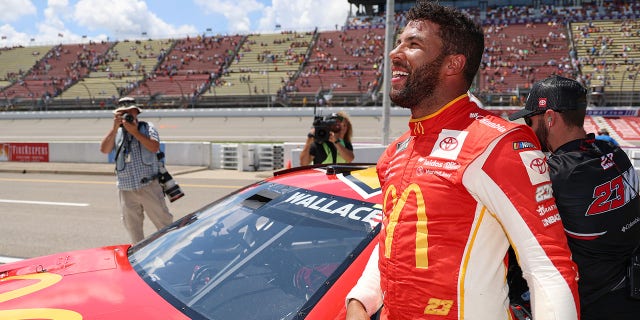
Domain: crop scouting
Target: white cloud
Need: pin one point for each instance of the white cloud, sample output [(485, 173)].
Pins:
[(44, 20), (17, 38), (304, 15), (126, 19), (54, 16), (12, 10), (290, 15), (236, 12)]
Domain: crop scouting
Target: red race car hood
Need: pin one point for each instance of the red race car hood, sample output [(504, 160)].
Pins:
[(88, 284)]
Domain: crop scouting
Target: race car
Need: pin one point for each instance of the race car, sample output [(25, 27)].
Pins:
[(288, 247)]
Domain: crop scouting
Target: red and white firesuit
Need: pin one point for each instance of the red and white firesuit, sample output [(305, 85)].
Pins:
[(458, 188)]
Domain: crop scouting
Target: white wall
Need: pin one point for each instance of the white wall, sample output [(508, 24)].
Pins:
[(240, 157)]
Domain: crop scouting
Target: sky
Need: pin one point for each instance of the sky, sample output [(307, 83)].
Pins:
[(49, 22)]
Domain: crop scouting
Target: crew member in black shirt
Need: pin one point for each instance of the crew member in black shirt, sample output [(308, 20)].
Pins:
[(596, 190)]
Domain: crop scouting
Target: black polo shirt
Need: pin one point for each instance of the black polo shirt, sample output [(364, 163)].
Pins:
[(596, 190)]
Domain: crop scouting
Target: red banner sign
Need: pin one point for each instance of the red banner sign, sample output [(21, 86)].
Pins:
[(25, 152)]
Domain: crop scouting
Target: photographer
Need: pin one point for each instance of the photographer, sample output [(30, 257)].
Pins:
[(136, 144), (329, 141)]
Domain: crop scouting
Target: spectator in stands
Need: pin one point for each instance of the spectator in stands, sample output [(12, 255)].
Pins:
[(596, 190), (603, 134), (329, 145), (137, 165)]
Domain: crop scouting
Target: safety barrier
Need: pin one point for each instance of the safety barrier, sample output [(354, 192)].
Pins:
[(230, 156)]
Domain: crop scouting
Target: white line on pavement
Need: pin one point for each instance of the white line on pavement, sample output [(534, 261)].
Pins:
[(46, 203)]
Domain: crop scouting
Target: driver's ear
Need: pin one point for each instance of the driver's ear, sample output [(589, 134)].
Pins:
[(455, 64)]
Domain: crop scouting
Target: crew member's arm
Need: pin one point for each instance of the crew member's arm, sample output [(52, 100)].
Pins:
[(108, 142), (365, 298), (306, 158)]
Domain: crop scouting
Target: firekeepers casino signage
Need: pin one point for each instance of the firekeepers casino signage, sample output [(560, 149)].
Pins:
[(26, 152)]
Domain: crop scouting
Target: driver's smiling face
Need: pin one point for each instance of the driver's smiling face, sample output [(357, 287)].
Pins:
[(416, 63)]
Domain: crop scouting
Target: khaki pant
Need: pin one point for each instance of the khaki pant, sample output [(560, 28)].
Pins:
[(134, 203)]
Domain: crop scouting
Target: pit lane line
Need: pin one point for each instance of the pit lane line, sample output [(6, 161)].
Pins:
[(71, 204), (208, 186)]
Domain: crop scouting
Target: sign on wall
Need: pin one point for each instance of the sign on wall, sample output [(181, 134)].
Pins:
[(24, 151)]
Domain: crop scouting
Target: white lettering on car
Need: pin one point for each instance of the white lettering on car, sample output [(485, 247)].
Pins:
[(368, 214)]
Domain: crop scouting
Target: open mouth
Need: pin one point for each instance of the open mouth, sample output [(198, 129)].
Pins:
[(399, 74), (398, 77)]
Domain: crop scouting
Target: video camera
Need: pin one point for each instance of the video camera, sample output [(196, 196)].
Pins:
[(323, 126), (170, 188)]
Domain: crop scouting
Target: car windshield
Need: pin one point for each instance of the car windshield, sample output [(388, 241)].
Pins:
[(266, 252)]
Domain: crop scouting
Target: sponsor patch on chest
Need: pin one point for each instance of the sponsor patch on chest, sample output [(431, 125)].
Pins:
[(449, 144)]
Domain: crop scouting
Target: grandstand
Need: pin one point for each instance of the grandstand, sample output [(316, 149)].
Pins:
[(262, 66), (517, 55), (118, 71), (347, 61), (15, 62), (596, 44), (608, 54)]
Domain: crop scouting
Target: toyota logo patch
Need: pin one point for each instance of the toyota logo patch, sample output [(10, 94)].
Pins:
[(542, 103), (538, 165), (449, 144)]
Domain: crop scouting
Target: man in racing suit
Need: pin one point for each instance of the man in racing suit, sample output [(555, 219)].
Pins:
[(458, 188), (596, 189)]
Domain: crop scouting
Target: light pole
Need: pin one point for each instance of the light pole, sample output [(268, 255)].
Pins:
[(268, 89), (182, 99), (321, 83), (117, 89), (88, 91), (388, 45), (633, 89), (7, 99), (31, 94)]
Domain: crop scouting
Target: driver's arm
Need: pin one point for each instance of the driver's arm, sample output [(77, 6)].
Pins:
[(365, 298)]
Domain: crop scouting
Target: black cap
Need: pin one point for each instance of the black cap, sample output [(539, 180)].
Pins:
[(555, 93)]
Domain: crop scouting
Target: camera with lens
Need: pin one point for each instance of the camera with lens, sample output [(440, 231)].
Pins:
[(170, 188), (128, 118), (323, 126)]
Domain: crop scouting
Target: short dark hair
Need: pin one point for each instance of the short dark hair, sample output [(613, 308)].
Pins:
[(459, 33), (574, 117)]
